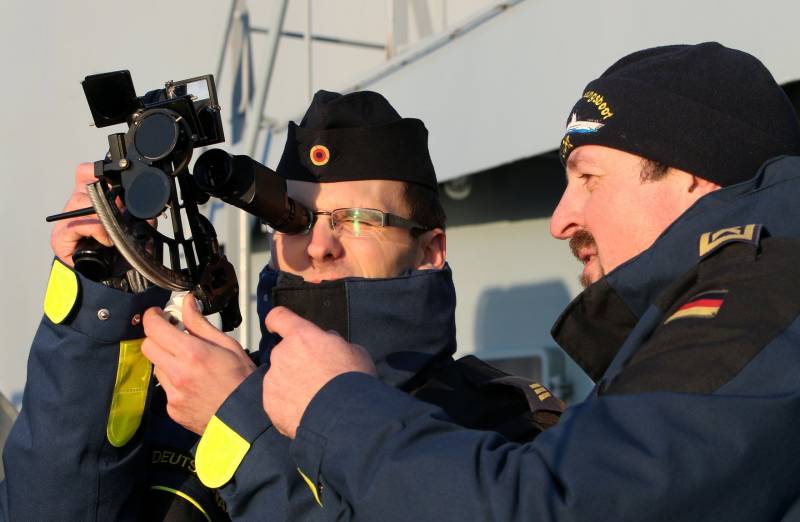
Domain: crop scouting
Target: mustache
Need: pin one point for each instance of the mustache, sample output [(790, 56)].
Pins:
[(582, 238)]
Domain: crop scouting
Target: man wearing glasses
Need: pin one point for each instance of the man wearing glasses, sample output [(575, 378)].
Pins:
[(370, 268)]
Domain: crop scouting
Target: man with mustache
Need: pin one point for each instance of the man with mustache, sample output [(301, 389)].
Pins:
[(371, 268), (681, 203)]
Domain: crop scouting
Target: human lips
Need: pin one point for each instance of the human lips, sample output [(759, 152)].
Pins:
[(318, 277), (586, 255), (584, 248)]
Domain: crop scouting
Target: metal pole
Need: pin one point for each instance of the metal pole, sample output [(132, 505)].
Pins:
[(390, 30), (253, 130), (310, 87), (422, 17), (221, 62), (244, 279), (321, 38), (8, 415), (272, 51)]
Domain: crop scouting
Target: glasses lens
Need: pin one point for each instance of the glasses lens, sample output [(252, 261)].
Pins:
[(357, 222)]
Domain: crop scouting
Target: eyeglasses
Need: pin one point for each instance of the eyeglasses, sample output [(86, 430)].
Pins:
[(357, 222)]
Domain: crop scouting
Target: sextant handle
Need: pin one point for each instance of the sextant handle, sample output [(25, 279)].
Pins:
[(94, 260)]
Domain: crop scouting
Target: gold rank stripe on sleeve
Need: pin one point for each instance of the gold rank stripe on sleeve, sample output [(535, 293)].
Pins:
[(184, 496), (311, 486), (541, 392)]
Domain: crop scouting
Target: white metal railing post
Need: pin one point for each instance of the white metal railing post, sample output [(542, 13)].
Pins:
[(309, 60), (252, 134), (221, 61)]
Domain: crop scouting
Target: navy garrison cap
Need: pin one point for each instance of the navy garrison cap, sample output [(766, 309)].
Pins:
[(356, 136)]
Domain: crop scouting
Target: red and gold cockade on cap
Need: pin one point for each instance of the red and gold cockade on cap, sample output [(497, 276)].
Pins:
[(320, 155)]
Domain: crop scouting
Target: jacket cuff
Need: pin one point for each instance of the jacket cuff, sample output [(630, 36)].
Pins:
[(231, 432), (333, 414), (95, 310)]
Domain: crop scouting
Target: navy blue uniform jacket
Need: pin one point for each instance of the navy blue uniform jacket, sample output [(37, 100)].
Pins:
[(93, 441), (695, 344)]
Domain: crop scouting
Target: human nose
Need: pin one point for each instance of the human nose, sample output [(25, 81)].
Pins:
[(567, 217), (323, 244)]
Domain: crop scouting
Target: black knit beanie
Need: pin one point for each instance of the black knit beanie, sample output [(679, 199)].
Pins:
[(712, 111), (356, 136)]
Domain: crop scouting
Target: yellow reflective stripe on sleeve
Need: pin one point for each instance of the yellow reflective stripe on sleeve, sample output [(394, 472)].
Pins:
[(185, 497), (311, 486), (219, 453), (130, 393), (62, 292)]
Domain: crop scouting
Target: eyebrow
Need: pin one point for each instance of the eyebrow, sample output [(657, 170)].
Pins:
[(579, 158), (575, 163)]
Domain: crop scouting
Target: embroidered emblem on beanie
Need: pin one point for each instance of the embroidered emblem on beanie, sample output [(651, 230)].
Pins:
[(583, 126), (587, 117)]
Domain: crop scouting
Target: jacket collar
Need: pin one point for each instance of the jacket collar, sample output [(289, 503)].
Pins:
[(595, 324), (406, 323)]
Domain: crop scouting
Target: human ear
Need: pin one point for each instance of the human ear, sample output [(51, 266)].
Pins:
[(700, 187), (690, 186), (431, 250)]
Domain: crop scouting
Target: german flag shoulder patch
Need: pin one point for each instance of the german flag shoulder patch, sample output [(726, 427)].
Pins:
[(704, 305)]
